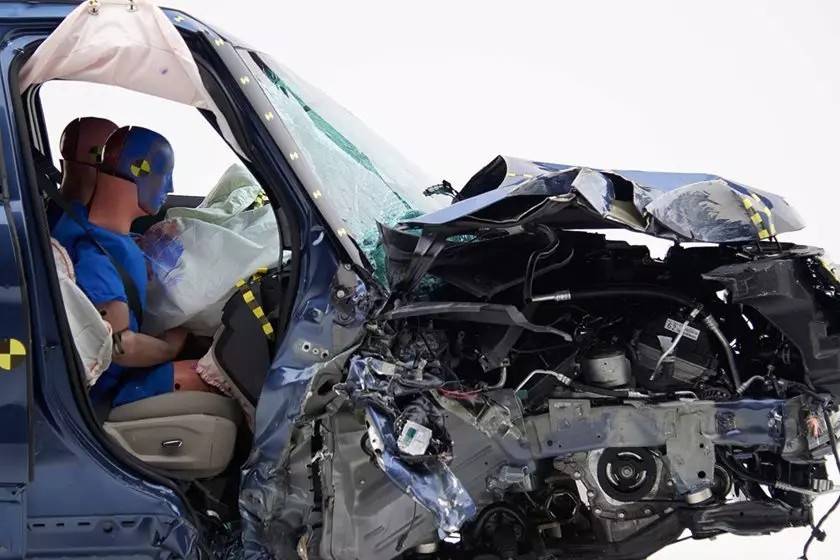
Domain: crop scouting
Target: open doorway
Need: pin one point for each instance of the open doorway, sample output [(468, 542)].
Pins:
[(217, 265)]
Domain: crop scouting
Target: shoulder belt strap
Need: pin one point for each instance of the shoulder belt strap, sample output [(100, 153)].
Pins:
[(45, 183)]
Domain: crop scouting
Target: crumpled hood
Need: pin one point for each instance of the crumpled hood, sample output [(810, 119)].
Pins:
[(680, 206)]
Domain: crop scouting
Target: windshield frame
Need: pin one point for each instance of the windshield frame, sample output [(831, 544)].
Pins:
[(263, 110), (367, 181)]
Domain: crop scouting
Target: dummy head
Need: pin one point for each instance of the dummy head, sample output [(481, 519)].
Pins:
[(81, 146), (144, 159)]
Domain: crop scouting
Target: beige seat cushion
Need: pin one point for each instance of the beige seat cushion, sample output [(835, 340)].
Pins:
[(178, 404), (189, 434)]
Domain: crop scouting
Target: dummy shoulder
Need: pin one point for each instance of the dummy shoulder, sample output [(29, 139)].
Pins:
[(97, 277)]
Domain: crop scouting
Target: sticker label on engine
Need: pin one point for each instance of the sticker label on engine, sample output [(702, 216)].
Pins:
[(676, 327), (414, 438)]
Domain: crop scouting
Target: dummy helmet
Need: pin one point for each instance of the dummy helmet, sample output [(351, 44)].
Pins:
[(83, 139), (145, 158)]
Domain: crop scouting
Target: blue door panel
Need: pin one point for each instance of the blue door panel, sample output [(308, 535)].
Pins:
[(14, 367), (79, 500)]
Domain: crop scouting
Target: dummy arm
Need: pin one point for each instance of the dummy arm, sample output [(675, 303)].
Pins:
[(133, 349)]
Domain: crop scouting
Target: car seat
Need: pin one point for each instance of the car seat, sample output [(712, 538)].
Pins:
[(243, 346), (189, 434)]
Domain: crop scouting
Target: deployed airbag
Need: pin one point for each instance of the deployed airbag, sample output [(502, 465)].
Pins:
[(126, 43), (197, 255), (92, 335)]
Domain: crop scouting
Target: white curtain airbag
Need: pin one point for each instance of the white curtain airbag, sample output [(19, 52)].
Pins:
[(138, 49), (91, 334)]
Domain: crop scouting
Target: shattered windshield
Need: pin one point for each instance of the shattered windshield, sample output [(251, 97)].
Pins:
[(364, 178)]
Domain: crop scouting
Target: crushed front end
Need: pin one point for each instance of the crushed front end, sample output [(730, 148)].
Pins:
[(530, 389)]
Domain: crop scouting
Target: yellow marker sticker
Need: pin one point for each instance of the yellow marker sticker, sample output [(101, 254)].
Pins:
[(760, 215), (245, 80), (94, 154), (829, 268), (269, 116), (268, 329), (179, 19), (248, 296), (219, 42), (140, 168), (341, 232), (316, 194), (293, 156), (12, 353)]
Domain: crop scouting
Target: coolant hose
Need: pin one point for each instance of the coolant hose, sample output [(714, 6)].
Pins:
[(654, 293), (617, 291)]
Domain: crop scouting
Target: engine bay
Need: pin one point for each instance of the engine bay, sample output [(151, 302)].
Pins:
[(547, 393)]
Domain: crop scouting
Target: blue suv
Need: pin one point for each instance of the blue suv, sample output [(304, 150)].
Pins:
[(429, 372)]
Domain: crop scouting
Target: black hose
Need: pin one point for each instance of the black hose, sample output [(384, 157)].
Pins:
[(655, 293), (598, 390), (536, 256), (622, 291)]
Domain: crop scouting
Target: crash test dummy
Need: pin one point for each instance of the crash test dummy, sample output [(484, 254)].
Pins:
[(81, 146), (133, 180)]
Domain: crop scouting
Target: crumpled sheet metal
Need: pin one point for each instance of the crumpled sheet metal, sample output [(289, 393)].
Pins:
[(275, 491), (431, 484), (682, 206)]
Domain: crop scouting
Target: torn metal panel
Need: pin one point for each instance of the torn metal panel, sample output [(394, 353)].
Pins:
[(682, 206), (367, 516), (424, 474), (276, 497)]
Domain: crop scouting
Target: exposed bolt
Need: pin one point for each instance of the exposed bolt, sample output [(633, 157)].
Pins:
[(347, 266), (669, 483), (361, 482), (577, 474), (340, 294), (621, 515), (648, 511), (597, 511), (591, 494), (557, 405)]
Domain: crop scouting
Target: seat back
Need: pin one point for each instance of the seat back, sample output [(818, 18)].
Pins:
[(92, 335), (244, 345)]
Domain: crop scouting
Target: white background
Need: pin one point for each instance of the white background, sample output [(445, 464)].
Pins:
[(748, 90)]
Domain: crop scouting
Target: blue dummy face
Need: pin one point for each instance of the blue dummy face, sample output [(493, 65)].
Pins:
[(145, 158)]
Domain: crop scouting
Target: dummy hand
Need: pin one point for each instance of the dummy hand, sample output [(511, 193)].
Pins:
[(176, 338)]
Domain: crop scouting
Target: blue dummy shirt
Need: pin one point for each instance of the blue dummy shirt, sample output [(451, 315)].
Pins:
[(100, 281)]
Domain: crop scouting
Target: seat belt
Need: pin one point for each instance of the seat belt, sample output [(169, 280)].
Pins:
[(45, 166), (131, 292)]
